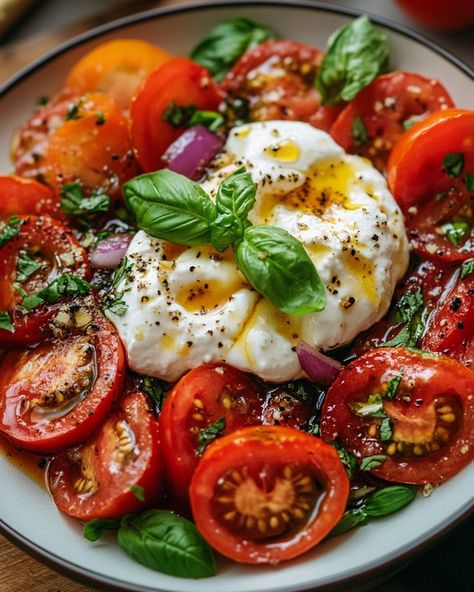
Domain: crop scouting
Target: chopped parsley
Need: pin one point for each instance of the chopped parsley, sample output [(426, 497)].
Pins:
[(74, 203), (73, 110), (454, 164), (455, 231), (61, 287), (210, 433), (26, 266)]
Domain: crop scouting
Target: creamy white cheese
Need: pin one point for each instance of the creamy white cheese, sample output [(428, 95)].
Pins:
[(187, 306)]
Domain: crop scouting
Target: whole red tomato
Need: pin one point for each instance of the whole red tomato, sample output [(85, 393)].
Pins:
[(440, 14)]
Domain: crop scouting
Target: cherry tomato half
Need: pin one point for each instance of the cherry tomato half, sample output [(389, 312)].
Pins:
[(371, 124), (440, 14), (180, 81), (116, 68), (208, 394), (20, 196), (414, 413), (268, 494), (97, 480), (53, 249), (55, 395), (431, 175)]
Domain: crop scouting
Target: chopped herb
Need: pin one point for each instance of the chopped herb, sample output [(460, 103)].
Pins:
[(392, 387), (312, 428), (9, 230), (359, 131), (74, 203), (409, 312), (73, 111), (455, 231), (26, 266), (372, 462), (470, 182), (153, 387), (386, 429), (410, 122), (210, 119), (138, 492), (95, 529), (122, 272), (373, 407), (467, 268), (207, 435), (178, 115), (62, 286), (441, 195), (6, 322), (347, 459), (454, 164), (42, 101), (116, 304), (100, 118)]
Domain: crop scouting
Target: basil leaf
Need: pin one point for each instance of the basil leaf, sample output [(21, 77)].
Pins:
[(347, 459), (171, 207), (392, 387), (454, 164), (6, 322), (359, 131), (350, 519), (455, 231), (467, 268), (152, 387), (138, 492), (178, 115), (356, 54), (116, 304), (229, 40), (386, 429), (470, 182), (73, 110), (389, 500), (9, 230), (235, 199), (440, 196), (373, 407), (122, 272), (26, 266), (74, 203), (210, 119), (210, 433), (95, 529), (166, 543), (372, 462), (277, 266), (100, 118), (409, 311), (61, 287)]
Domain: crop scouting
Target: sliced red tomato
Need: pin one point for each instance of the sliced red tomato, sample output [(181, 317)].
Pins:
[(291, 404), (92, 147), (117, 471), (50, 247), (372, 123), (451, 327), (409, 417), (116, 68), (181, 82), (431, 175), (55, 395), (20, 196), (268, 494), (277, 79), (207, 402)]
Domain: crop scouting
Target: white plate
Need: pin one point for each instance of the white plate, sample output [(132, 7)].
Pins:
[(26, 513)]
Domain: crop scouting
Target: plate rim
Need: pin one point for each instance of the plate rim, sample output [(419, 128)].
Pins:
[(420, 544)]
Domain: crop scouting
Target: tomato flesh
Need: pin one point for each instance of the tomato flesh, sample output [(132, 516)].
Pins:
[(268, 494), (20, 196), (94, 481)]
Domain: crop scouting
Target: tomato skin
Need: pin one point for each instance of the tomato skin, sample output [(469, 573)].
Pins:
[(181, 81), (297, 97), (440, 14), (383, 106), (271, 445), (64, 254), (430, 379), (114, 498), (19, 196), (116, 68), (24, 375), (209, 384)]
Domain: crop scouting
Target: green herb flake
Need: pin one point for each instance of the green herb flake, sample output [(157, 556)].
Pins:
[(116, 304), (95, 529), (455, 231), (386, 429), (100, 118), (210, 433), (138, 492), (392, 386), (61, 287), (470, 181), (6, 322), (75, 204), (359, 131), (178, 115), (9, 230), (26, 266), (410, 122), (210, 119), (153, 388), (409, 311), (372, 462), (347, 459), (453, 163), (467, 268), (373, 407), (42, 101), (73, 111), (440, 196)]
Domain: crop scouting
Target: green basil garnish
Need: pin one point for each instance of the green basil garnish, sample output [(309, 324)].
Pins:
[(210, 433), (350, 519), (138, 492), (277, 266), (227, 42), (467, 268), (61, 287), (9, 230), (210, 119), (359, 131), (454, 164), (26, 266), (171, 207), (455, 231), (386, 429), (470, 182), (372, 462), (114, 302), (74, 203), (235, 199), (6, 322), (409, 312), (356, 54), (189, 115), (392, 387), (95, 529), (373, 407), (153, 388), (347, 459)]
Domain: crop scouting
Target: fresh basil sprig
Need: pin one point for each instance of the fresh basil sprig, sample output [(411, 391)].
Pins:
[(75, 203), (161, 541), (381, 503), (229, 40), (171, 207), (62, 286), (356, 54)]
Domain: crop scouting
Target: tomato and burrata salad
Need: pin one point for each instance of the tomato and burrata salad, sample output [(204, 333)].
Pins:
[(236, 293)]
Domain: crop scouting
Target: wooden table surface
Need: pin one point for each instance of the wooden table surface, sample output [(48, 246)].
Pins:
[(21, 573)]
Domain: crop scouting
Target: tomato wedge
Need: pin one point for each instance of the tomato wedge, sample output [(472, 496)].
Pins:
[(55, 395), (208, 394), (371, 124), (20, 196), (268, 494), (116, 68), (116, 471), (431, 175), (180, 81), (42, 250), (407, 416)]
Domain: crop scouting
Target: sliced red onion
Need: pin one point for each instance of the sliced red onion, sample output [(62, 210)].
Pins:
[(192, 151), (110, 251), (320, 368)]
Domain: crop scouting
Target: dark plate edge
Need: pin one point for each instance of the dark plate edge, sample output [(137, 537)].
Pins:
[(89, 577)]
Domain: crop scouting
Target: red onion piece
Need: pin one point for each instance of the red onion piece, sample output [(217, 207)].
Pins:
[(192, 151), (320, 368), (110, 251)]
